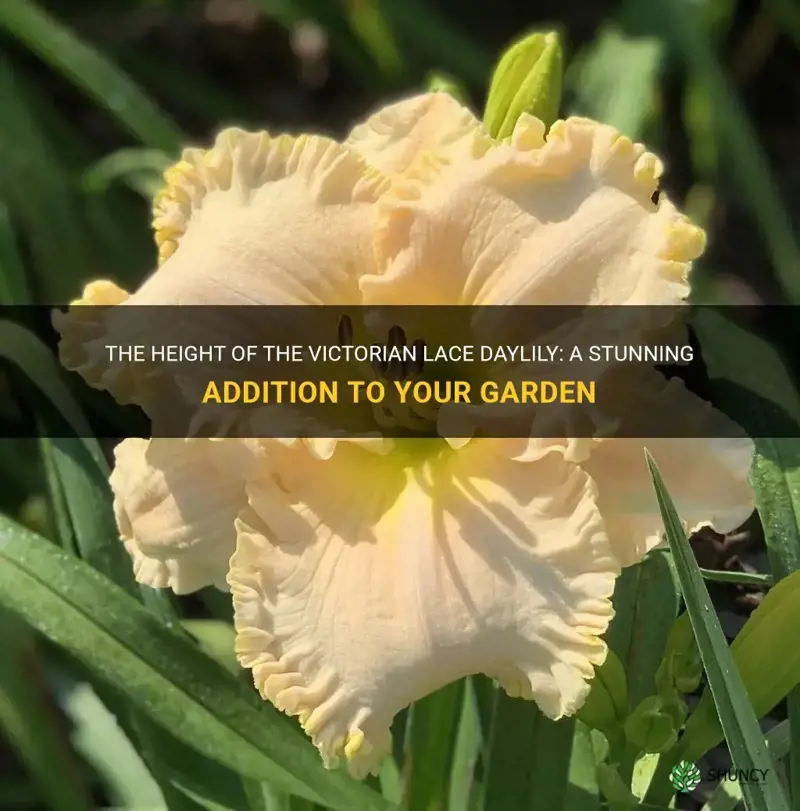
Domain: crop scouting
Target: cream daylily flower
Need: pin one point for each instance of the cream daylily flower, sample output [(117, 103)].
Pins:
[(366, 575)]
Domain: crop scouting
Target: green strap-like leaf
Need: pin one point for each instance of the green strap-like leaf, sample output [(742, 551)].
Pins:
[(161, 673), (90, 71), (738, 720), (529, 758), (769, 667), (728, 794), (434, 726)]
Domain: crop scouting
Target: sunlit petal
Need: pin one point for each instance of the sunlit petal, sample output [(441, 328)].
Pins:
[(562, 220), (361, 585), (706, 471), (397, 137)]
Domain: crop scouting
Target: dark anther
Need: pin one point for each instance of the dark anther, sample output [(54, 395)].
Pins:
[(654, 198), (396, 367), (345, 333), (415, 366), (397, 337)]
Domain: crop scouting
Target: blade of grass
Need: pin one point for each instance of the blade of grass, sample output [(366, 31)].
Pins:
[(467, 751), (85, 67), (367, 21), (646, 603), (142, 169), (615, 79), (728, 794), (39, 192), (82, 480), (529, 758), (733, 356), (434, 725), (28, 719), (582, 791), (738, 578), (742, 731), (103, 744), (122, 244), (161, 673), (14, 288)]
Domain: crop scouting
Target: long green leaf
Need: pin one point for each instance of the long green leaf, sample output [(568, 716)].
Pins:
[(615, 79), (29, 720), (434, 726), (529, 758), (582, 791), (738, 720), (38, 190), (142, 169), (14, 287), (90, 71), (728, 794), (738, 578), (467, 751), (98, 737), (161, 673), (646, 603), (765, 400), (769, 669)]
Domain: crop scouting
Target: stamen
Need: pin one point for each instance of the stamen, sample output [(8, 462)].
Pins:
[(345, 331), (396, 367), (415, 366)]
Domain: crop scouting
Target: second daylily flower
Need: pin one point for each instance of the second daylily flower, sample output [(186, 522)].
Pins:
[(364, 577)]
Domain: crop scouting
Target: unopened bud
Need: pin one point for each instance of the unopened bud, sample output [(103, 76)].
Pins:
[(651, 727), (527, 79)]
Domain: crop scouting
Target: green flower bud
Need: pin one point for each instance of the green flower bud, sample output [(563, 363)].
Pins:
[(527, 79), (651, 727), (607, 704), (688, 671), (681, 669), (677, 710)]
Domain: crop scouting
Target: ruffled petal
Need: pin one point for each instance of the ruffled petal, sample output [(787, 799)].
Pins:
[(84, 329), (706, 470), (176, 502), (254, 220), (397, 137), (567, 219), (361, 584), (264, 220)]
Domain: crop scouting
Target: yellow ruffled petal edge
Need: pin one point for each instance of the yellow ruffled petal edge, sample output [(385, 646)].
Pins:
[(571, 147), (240, 162)]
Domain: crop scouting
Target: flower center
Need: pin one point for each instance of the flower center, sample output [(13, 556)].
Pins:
[(413, 393)]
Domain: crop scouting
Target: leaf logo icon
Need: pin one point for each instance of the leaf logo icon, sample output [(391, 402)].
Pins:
[(685, 776)]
